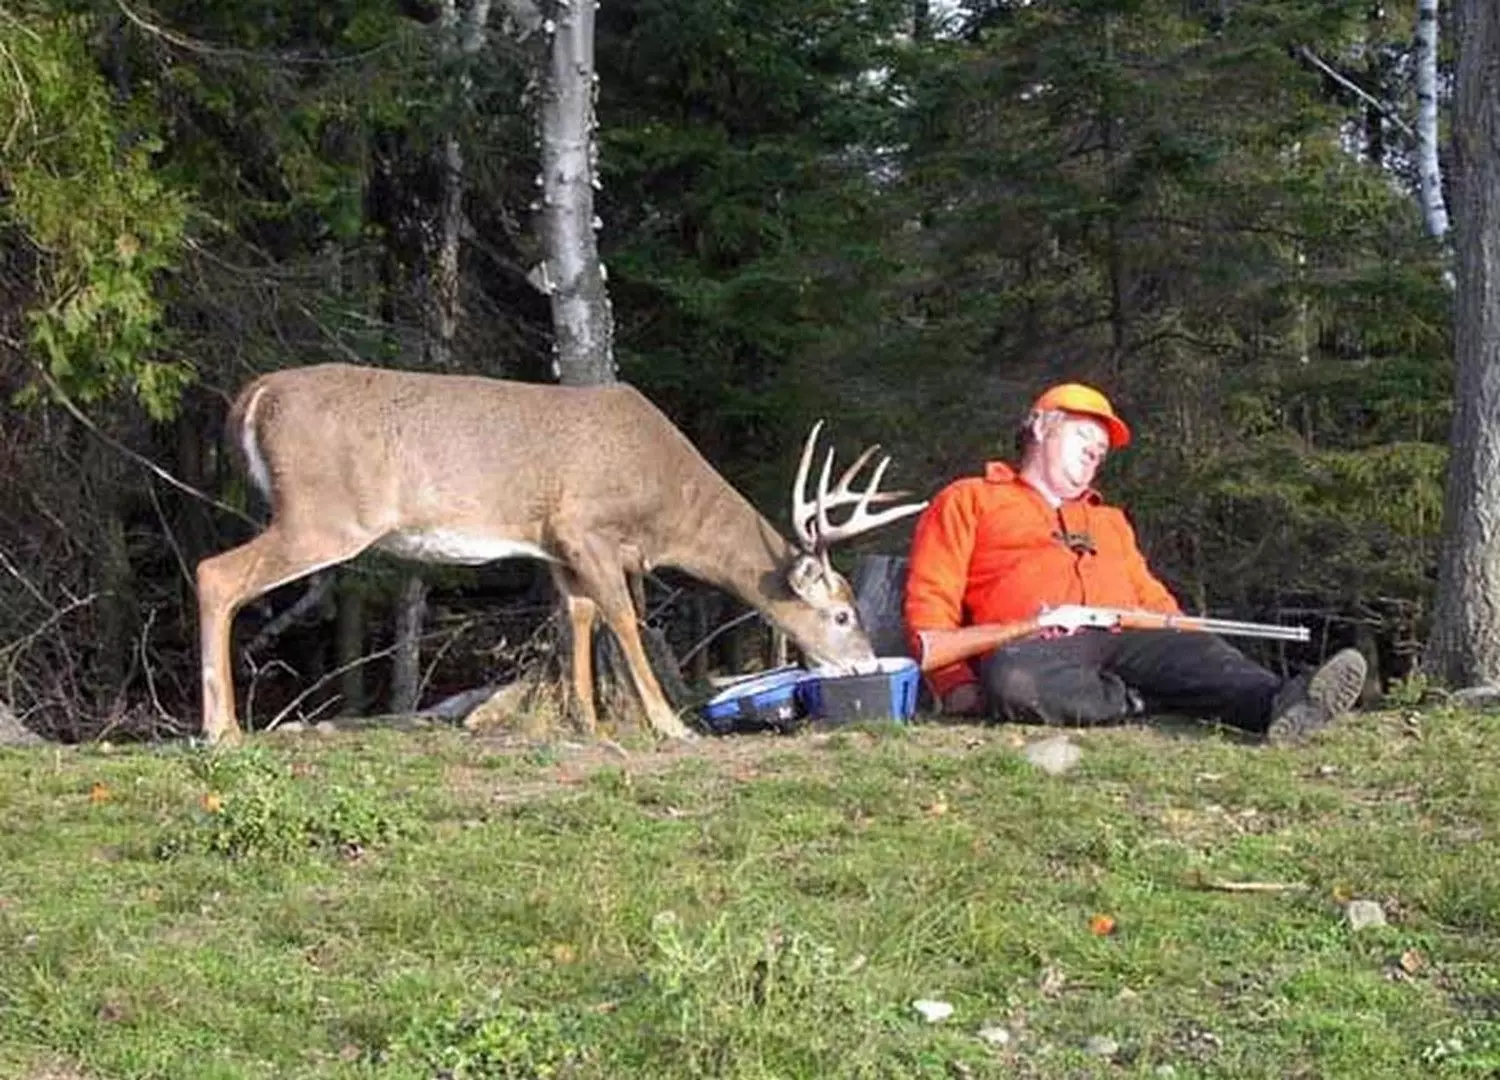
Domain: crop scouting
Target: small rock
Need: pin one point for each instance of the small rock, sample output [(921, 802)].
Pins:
[(1477, 697), (1050, 982), (1412, 961), (326, 727), (1363, 914), (292, 727), (13, 732), (1101, 1046), (995, 1035), (1053, 756), (934, 1012)]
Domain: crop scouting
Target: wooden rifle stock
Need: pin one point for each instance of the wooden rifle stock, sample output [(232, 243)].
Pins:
[(942, 648)]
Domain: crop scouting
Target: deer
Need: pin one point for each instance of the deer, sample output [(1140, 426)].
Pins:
[(595, 481)]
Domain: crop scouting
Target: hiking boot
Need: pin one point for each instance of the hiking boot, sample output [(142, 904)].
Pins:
[(1313, 700)]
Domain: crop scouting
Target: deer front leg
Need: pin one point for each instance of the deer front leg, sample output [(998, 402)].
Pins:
[(581, 615), (597, 571)]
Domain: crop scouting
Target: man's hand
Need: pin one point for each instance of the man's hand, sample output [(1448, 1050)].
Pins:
[(1071, 617), (965, 699)]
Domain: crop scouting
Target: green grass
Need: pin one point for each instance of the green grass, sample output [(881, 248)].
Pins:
[(383, 905)]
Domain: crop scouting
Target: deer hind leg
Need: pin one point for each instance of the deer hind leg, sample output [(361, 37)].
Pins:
[(597, 572), (582, 612), (227, 581)]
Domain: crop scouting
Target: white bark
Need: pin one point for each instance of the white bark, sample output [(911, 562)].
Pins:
[(1465, 645), (1430, 176), (572, 274)]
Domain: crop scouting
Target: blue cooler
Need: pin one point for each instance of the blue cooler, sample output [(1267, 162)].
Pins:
[(757, 703), (887, 693)]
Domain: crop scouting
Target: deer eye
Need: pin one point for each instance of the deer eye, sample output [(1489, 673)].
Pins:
[(843, 618)]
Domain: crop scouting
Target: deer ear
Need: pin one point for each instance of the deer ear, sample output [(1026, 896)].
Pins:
[(808, 578)]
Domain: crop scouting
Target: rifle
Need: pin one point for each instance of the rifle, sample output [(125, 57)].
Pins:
[(1151, 620), (940, 648)]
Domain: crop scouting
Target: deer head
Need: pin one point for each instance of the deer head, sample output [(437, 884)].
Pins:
[(826, 624)]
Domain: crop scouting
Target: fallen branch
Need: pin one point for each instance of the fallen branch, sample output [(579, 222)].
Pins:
[(317, 589), (731, 624), (1384, 108), (1218, 885), (146, 463)]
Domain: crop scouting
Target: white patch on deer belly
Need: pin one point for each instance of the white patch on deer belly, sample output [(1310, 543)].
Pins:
[(446, 546)]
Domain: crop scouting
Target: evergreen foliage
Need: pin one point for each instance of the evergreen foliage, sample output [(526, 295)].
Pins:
[(903, 220)]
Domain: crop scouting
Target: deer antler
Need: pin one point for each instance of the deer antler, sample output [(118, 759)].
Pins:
[(810, 516)]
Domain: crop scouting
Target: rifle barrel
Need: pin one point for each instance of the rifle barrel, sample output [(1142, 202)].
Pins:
[(1228, 627)]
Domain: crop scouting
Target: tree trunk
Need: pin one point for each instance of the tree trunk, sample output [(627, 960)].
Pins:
[(1465, 645), (406, 659), (572, 274), (921, 21), (463, 37), (351, 646), (114, 579), (1430, 176)]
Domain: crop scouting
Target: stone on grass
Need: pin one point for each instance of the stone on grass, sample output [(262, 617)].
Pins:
[(1363, 914), (1478, 697), (933, 1012), (13, 732), (1101, 1046), (995, 1035), (1053, 756)]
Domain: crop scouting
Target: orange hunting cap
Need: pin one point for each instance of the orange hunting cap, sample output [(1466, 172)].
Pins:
[(1085, 400)]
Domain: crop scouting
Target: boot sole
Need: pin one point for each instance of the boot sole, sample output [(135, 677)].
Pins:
[(1331, 692)]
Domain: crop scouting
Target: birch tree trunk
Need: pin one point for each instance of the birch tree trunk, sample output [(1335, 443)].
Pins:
[(572, 274), (1430, 176), (1465, 645)]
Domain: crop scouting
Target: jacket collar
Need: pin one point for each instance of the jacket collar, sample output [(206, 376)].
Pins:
[(1000, 472)]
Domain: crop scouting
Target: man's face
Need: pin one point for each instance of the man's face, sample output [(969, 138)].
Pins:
[(1070, 448)]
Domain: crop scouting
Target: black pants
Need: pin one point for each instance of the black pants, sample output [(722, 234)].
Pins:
[(1104, 677)]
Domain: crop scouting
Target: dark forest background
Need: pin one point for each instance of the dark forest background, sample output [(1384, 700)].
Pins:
[(905, 218)]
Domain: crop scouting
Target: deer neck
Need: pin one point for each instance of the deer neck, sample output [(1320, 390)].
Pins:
[(732, 546)]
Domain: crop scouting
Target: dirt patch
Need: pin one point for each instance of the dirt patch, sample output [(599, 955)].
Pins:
[(532, 770), (54, 1070)]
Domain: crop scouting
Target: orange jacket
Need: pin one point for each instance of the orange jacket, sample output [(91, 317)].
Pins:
[(990, 550)]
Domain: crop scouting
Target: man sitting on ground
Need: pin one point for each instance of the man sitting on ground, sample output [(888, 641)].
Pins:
[(1002, 565)]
